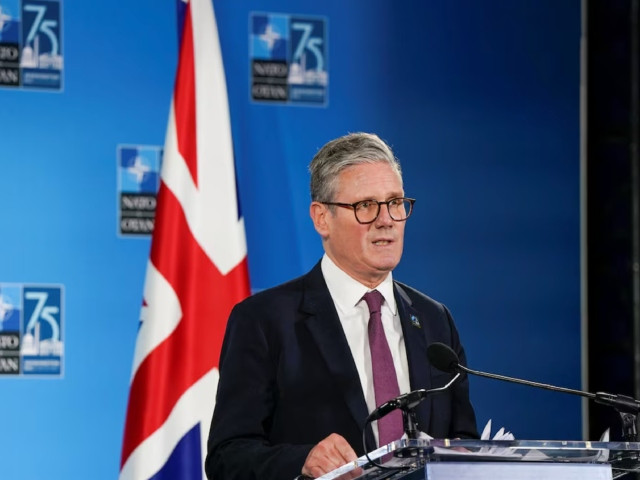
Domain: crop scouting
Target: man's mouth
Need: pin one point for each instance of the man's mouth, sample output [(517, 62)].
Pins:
[(382, 243)]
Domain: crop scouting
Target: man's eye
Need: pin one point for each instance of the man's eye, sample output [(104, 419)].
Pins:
[(365, 205)]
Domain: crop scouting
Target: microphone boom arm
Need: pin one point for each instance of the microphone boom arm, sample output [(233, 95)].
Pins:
[(409, 417), (627, 407), (525, 382)]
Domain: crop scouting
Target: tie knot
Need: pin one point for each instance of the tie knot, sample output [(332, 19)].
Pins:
[(374, 301)]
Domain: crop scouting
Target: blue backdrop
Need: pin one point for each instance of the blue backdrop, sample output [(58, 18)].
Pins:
[(480, 101)]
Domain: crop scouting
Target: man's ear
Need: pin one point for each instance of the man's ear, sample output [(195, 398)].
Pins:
[(319, 213)]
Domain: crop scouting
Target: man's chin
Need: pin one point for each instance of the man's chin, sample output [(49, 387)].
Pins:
[(385, 267), (386, 263)]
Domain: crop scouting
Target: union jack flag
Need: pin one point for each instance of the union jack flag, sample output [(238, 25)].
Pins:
[(197, 269)]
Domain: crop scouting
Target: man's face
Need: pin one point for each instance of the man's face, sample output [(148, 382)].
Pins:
[(365, 252)]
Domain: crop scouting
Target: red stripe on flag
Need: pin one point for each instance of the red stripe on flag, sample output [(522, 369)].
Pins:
[(193, 349), (185, 100)]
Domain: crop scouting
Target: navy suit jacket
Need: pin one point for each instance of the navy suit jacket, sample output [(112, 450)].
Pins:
[(288, 380)]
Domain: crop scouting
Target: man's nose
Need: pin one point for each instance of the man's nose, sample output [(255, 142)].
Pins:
[(384, 218)]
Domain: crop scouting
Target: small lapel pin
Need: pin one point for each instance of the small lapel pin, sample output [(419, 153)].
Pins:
[(414, 321)]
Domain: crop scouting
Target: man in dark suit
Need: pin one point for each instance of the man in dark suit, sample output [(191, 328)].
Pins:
[(297, 369)]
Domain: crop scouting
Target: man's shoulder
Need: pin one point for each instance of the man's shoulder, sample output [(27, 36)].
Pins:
[(292, 289), (295, 285), (418, 299)]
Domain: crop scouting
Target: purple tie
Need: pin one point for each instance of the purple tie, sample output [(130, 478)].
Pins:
[(385, 382)]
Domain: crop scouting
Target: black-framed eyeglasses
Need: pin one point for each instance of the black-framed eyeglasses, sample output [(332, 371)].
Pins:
[(367, 211)]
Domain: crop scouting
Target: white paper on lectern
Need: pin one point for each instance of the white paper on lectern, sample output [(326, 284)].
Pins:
[(495, 452)]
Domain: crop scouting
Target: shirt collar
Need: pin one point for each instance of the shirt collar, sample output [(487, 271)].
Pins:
[(347, 292)]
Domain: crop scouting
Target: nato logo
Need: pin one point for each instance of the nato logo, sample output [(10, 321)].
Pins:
[(31, 44), (42, 345), (139, 180), (288, 58), (31, 338)]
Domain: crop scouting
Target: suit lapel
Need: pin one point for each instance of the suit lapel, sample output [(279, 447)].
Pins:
[(324, 324), (415, 330)]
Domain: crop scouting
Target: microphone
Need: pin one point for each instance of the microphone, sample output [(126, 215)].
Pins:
[(407, 401), (444, 358)]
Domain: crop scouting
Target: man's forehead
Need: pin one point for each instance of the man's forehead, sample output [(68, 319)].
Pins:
[(370, 175)]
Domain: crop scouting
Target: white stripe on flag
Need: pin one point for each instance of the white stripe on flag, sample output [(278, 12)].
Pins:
[(163, 306)]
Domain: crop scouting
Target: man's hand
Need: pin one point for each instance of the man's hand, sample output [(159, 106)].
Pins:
[(331, 453)]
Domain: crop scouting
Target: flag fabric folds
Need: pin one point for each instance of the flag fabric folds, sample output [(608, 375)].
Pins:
[(197, 269)]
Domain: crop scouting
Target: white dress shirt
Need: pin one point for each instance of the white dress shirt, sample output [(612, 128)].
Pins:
[(353, 312)]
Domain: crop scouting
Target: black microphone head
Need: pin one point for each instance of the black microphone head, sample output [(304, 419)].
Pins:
[(443, 357)]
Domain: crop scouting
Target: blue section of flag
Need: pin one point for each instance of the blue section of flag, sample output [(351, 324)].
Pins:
[(181, 7), (186, 459)]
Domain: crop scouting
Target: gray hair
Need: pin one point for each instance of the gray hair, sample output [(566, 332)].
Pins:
[(343, 152)]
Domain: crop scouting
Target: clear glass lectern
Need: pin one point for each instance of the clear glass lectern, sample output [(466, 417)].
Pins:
[(444, 459)]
